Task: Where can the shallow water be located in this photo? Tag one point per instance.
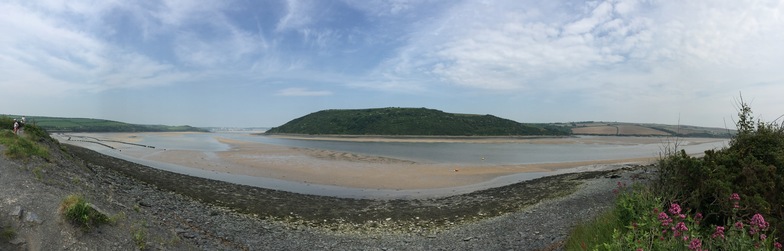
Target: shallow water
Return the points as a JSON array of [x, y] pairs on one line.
[[448, 153]]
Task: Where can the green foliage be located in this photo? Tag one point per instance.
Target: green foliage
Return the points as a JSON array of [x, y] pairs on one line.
[[640, 221], [76, 209], [8, 233], [21, 146], [410, 121], [752, 166], [140, 238]]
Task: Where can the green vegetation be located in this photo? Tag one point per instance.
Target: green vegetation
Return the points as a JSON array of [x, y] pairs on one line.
[[139, 235], [729, 199], [410, 121], [8, 233], [53, 124], [76, 209], [25, 145]]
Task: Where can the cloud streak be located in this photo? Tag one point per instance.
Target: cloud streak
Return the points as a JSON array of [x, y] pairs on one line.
[[302, 92]]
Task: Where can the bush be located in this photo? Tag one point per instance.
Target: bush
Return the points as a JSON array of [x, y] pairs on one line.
[[76, 209], [654, 226], [752, 166]]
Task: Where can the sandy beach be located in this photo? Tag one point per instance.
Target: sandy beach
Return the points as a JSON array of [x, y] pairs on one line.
[[342, 169]]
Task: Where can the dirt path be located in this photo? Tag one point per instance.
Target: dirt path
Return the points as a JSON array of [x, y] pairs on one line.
[[161, 210]]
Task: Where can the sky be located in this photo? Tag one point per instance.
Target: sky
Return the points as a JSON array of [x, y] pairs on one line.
[[261, 63]]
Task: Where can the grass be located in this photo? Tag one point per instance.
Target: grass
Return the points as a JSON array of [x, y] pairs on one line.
[[38, 172], [8, 233], [594, 232], [77, 210], [139, 236], [21, 146]]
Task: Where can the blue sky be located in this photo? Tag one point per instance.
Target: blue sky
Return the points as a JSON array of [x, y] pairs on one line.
[[263, 63]]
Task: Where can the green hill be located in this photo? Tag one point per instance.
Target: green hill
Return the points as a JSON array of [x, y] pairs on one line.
[[410, 121], [54, 124]]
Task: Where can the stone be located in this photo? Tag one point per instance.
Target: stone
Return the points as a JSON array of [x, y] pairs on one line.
[[17, 212], [31, 217], [18, 241]]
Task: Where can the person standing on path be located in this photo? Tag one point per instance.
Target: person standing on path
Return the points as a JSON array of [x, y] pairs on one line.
[[16, 126]]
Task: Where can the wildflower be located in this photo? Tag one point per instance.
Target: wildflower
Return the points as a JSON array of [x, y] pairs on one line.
[[698, 218], [719, 232], [758, 221], [681, 227], [695, 244], [735, 198], [739, 225], [675, 209], [763, 237], [777, 245], [665, 219]]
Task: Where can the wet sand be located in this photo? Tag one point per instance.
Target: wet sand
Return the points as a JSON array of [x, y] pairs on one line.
[[350, 170]]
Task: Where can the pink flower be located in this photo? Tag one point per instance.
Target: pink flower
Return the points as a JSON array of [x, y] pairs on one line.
[[681, 227], [665, 219], [695, 244], [763, 237], [759, 221], [675, 209], [735, 198], [719, 232], [777, 245], [739, 225], [698, 217]]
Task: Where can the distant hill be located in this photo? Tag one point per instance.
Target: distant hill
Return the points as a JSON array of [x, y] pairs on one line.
[[54, 124], [410, 121], [633, 129]]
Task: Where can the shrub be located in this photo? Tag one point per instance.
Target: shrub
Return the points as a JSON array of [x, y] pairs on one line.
[[752, 166], [640, 221], [76, 209]]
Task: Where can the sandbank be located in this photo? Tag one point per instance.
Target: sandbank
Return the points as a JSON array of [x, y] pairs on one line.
[[342, 169]]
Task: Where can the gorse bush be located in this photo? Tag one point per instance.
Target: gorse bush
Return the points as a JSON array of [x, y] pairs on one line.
[[752, 166]]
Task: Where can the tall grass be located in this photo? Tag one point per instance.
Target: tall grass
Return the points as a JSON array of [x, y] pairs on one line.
[[21, 147], [77, 210]]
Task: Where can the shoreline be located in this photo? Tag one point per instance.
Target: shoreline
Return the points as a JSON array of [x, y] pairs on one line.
[[361, 173]]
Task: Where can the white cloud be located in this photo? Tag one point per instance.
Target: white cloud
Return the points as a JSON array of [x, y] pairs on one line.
[[298, 15], [537, 46], [45, 51], [302, 92]]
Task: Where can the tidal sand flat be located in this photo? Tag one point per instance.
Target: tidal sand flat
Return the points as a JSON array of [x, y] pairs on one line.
[[237, 154]]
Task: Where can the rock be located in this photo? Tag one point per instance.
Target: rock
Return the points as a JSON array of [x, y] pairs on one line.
[[145, 203], [17, 212], [18, 241], [98, 210], [31, 217]]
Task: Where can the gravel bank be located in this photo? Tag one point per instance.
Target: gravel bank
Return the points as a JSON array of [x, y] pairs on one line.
[[182, 212]]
